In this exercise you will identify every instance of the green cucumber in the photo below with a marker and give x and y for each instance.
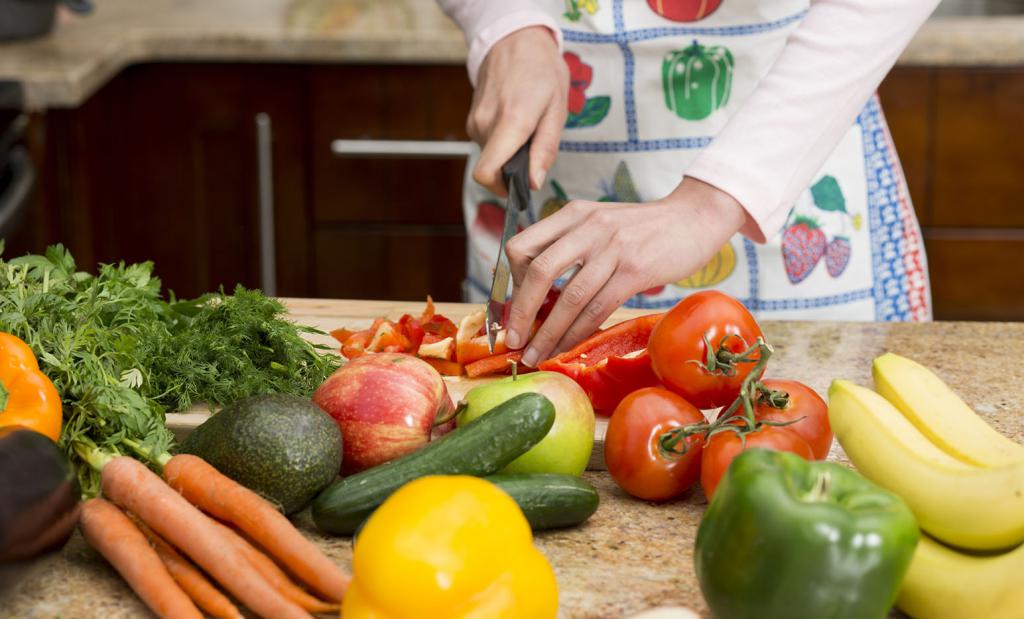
(549, 500)
(482, 447)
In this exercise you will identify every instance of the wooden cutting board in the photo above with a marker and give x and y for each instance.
(328, 314)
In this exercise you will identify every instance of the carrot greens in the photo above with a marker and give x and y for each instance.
(122, 355)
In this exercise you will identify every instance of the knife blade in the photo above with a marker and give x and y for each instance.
(516, 173)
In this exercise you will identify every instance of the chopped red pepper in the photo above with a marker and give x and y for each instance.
(496, 364)
(404, 335)
(610, 364)
(425, 336)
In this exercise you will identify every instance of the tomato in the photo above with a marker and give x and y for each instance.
(679, 354)
(721, 448)
(803, 403)
(632, 445)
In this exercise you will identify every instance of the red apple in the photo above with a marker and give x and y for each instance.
(386, 405)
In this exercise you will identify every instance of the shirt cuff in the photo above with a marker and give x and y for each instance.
(763, 220)
(501, 28)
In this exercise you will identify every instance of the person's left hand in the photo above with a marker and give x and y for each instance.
(621, 249)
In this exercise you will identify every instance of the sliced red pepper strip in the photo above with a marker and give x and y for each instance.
(610, 364)
(428, 311)
(355, 344)
(444, 366)
(342, 334)
(496, 364)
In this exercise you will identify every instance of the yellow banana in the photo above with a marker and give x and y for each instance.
(945, 584)
(960, 504)
(940, 414)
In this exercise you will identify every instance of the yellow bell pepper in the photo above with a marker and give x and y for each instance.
(449, 546)
(27, 397)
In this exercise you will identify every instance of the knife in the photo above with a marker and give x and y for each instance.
(517, 179)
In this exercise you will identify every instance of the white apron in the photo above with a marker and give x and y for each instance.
(651, 83)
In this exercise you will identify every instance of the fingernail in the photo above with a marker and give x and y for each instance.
(538, 178)
(512, 339)
(530, 357)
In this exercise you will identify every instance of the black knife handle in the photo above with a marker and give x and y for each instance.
(516, 173)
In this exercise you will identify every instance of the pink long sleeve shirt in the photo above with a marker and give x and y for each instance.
(772, 146)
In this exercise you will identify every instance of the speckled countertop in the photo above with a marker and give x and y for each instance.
(63, 69)
(631, 555)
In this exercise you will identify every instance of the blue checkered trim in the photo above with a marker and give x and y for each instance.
(621, 35)
(891, 289)
(634, 146)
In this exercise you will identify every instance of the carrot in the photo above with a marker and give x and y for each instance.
(135, 488)
(276, 576)
(191, 580)
(108, 530)
(227, 500)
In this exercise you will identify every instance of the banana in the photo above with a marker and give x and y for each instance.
(940, 414)
(961, 505)
(945, 584)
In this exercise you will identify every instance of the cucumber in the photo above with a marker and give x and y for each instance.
(549, 500)
(481, 447)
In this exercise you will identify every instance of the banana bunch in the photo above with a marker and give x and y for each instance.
(963, 480)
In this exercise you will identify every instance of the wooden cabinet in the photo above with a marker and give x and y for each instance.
(388, 226)
(161, 164)
(960, 137)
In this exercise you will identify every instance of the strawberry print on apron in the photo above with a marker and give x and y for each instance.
(651, 83)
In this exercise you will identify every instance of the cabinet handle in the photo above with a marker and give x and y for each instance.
(426, 149)
(265, 161)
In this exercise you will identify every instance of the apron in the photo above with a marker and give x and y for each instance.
(651, 83)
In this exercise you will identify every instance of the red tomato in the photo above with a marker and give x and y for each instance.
(723, 447)
(678, 352)
(631, 446)
(803, 402)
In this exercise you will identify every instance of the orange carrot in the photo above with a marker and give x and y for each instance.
(135, 488)
(232, 502)
(276, 576)
(117, 538)
(191, 580)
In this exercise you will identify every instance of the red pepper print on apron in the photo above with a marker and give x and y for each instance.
(651, 83)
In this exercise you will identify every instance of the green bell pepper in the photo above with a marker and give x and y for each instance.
(787, 538)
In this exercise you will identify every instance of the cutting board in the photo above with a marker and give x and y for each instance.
(328, 314)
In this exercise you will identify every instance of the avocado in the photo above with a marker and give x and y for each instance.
(283, 447)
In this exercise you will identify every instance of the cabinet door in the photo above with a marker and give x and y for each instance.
(161, 165)
(388, 226)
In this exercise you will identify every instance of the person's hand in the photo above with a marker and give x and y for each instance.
(522, 88)
(621, 249)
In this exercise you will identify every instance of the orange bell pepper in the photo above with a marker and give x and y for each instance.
(27, 397)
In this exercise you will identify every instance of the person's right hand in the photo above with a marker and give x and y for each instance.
(522, 88)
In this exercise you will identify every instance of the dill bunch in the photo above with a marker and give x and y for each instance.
(121, 356)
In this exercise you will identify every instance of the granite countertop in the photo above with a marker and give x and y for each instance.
(632, 554)
(65, 68)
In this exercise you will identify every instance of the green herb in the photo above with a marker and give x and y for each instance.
(121, 356)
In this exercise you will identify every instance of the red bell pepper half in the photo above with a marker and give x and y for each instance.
(610, 364)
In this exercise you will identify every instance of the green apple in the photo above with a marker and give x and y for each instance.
(566, 448)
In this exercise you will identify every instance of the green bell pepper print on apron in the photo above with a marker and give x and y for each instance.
(651, 84)
(697, 80)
